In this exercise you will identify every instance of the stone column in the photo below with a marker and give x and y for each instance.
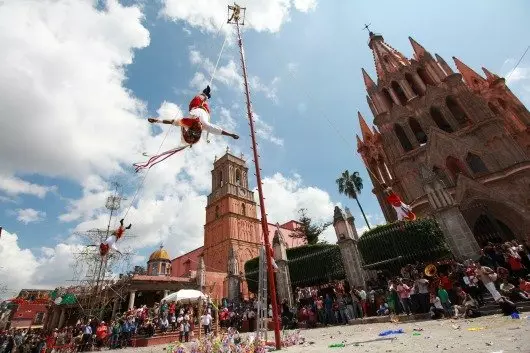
(417, 79)
(61, 318)
(283, 277)
(54, 318)
(132, 296)
(166, 292)
(351, 258)
(456, 231)
(234, 287)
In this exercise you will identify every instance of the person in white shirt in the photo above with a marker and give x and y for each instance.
(437, 309)
(206, 321)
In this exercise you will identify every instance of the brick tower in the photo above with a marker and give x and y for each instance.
(471, 132)
(232, 225)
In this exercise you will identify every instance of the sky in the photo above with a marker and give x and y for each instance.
(79, 78)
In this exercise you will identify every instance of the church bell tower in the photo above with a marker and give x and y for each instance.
(232, 229)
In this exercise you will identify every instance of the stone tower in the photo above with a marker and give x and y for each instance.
(233, 277)
(471, 132)
(347, 239)
(231, 217)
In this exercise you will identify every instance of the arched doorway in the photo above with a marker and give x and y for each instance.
(488, 223)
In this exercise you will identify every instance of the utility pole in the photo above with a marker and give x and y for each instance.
(236, 15)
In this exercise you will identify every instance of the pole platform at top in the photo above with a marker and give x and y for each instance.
(236, 16)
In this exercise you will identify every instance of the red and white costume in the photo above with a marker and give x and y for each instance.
(199, 110)
(403, 210)
(110, 242)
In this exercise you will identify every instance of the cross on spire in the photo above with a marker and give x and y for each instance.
(367, 27)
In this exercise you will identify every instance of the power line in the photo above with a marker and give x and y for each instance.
(516, 65)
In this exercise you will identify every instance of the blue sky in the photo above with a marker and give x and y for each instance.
(305, 71)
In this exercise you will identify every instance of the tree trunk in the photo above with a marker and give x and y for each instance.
(362, 211)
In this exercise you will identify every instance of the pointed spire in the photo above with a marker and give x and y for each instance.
(448, 70)
(359, 142)
(367, 133)
(470, 77)
(368, 82)
(419, 51)
(489, 75)
(386, 58)
(338, 216)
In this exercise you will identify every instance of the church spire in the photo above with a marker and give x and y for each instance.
(489, 75)
(367, 133)
(419, 51)
(368, 82)
(471, 78)
(386, 58)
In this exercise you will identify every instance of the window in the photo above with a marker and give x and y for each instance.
(163, 271)
(243, 209)
(439, 119)
(388, 98)
(413, 85)
(421, 137)
(456, 110)
(455, 167)
(399, 93)
(238, 177)
(503, 104)
(402, 137)
(220, 179)
(154, 271)
(476, 164)
(425, 76)
(216, 211)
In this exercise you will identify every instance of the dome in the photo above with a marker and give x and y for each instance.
(159, 255)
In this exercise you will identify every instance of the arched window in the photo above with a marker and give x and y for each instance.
(413, 85)
(402, 137)
(216, 211)
(425, 76)
(455, 167)
(238, 177)
(456, 110)
(421, 137)
(493, 108)
(476, 164)
(388, 98)
(439, 119)
(163, 270)
(220, 179)
(399, 93)
(243, 209)
(503, 104)
(442, 176)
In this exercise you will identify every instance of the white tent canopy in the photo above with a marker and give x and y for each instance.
(186, 296)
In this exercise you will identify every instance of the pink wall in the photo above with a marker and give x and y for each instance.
(181, 265)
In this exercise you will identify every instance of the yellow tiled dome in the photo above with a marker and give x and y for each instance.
(160, 255)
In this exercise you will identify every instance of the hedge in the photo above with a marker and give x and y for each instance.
(309, 265)
(420, 240)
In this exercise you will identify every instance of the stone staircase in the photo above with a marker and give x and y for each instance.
(492, 308)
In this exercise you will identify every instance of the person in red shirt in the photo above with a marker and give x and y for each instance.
(197, 121)
(403, 211)
(101, 334)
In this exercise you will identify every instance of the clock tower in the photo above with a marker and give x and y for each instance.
(232, 226)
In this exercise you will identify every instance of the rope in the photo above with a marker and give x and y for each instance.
(516, 65)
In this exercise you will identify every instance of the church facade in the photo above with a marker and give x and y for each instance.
(232, 230)
(470, 131)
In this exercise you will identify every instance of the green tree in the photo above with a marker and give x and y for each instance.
(351, 186)
(309, 230)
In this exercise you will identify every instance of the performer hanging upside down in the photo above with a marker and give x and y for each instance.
(110, 242)
(404, 211)
(198, 120)
(191, 128)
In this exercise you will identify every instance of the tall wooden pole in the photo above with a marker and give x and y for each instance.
(264, 224)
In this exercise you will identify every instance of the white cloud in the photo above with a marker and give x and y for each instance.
(519, 74)
(211, 15)
(29, 215)
(265, 131)
(15, 186)
(292, 68)
(285, 196)
(64, 106)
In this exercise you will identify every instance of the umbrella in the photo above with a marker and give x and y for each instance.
(186, 295)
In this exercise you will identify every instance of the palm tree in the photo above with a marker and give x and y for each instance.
(351, 186)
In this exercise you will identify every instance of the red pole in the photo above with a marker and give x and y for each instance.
(264, 223)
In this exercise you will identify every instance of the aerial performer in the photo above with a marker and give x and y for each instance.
(404, 211)
(110, 242)
(191, 127)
